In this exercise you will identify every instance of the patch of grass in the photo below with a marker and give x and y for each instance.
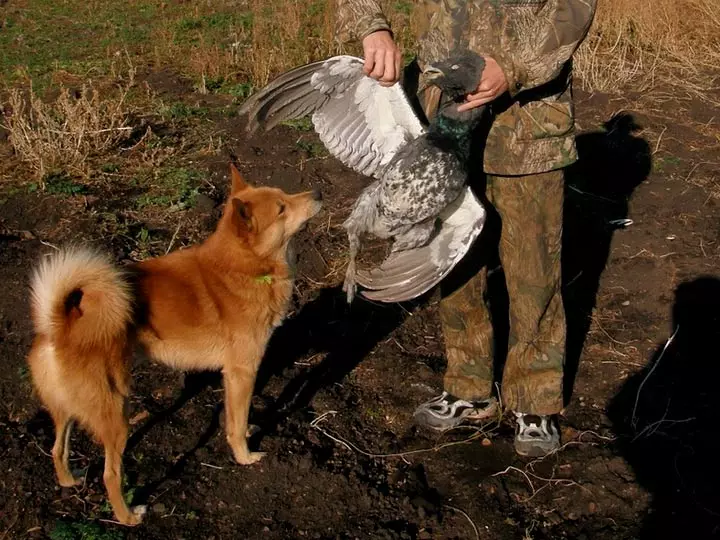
(40, 37)
(174, 187)
(238, 90)
(180, 110)
(109, 168)
(62, 184)
(662, 163)
(312, 148)
(404, 6)
(81, 530)
(300, 124)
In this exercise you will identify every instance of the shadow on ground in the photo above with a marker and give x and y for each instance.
(667, 419)
(345, 334)
(612, 163)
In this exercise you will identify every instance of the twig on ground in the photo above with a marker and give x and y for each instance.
(657, 144)
(574, 442)
(48, 244)
(477, 532)
(548, 481)
(174, 236)
(634, 420)
(350, 446)
(41, 449)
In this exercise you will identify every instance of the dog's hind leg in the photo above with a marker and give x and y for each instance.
(61, 449)
(114, 437)
(239, 383)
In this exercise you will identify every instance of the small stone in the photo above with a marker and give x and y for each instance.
(486, 442)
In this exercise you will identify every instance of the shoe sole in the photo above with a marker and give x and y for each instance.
(533, 450)
(422, 418)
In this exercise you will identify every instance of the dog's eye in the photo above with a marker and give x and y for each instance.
(281, 210)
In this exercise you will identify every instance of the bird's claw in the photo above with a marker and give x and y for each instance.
(350, 285)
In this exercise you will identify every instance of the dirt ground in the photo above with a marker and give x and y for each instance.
(338, 385)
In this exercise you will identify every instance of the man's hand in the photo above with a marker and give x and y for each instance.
(492, 84)
(383, 60)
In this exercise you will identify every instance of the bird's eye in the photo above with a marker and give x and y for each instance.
(454, 67)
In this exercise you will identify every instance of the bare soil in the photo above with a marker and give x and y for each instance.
(338, 385)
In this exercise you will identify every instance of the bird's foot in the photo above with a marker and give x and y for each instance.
(350, 284)
(417, 236)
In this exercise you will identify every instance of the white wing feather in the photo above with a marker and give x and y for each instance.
(405, 275)
(360, 122)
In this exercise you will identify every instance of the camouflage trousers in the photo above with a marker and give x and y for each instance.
(530, 210)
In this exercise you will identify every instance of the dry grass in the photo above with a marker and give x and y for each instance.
(248, 46)
(63, 134)
(261, 42)
(643, 43)
(232, 46)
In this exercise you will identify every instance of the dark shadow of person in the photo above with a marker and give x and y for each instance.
(667, 416)
(327, 324)
(612, 163)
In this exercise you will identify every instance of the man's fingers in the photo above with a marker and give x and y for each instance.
(369, 62)
(398, 64)
(474, 104)
(482, 94)
(379, 69)
(389, 76)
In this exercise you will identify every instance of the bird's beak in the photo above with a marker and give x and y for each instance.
(432, 73)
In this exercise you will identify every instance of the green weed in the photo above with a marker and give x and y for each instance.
(80, 530)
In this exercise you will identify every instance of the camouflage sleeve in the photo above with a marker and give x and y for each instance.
(356, 19)
(543, 44)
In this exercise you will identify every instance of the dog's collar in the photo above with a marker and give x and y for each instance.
(264, 278)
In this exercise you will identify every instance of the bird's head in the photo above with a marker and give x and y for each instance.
(458, 75)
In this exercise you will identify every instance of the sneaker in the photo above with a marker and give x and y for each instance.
(446, 411)
(536, 435)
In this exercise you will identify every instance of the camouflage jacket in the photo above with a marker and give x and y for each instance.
(533, 42)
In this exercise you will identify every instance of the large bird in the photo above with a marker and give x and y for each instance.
(420, 197)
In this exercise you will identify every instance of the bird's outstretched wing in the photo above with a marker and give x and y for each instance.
(405, 275)
(360, 122)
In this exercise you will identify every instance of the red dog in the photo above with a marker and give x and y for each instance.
(212, 306)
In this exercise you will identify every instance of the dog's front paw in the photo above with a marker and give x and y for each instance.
(131, 516)
(136, 515)
(70, 480)
(249, 458)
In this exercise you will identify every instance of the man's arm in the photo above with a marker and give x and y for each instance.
(541, 51)
(364, 20)
(357, 19)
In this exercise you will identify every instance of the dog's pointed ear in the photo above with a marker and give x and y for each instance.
(242, 215)
(238, 182)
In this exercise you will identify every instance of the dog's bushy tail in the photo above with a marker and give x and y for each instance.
(80, 298)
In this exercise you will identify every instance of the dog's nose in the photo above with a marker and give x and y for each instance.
(317, 195)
